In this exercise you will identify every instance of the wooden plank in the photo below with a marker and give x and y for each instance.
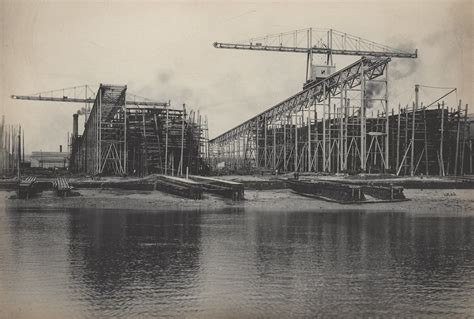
(26, 187)
(179, 186)
(62, 187)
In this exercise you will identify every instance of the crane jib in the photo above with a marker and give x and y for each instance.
(315, 50)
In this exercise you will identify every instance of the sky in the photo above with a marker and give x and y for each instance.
(163, 51)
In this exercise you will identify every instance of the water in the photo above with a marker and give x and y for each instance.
(234, 263)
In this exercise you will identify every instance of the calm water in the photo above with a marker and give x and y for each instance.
(103, 263)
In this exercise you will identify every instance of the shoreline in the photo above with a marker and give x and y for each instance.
(421, 201)
(266, 181)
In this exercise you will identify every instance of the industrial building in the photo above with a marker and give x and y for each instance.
(49, 159)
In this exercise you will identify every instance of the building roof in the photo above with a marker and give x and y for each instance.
(49, 156)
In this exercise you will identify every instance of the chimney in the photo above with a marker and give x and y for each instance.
(75, 121)
(60, 148)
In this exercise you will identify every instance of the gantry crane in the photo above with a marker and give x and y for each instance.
(312, 41)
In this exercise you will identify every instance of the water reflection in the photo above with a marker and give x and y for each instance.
(239, 263)
(134, 259)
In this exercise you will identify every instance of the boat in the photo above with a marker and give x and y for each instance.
(346, 193)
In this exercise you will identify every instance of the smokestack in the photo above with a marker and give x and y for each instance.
(60, 148)
(75, 125)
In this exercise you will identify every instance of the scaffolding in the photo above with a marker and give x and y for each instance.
(431, 141)
(322, 128)
(12, 152)
(123, 140)
(350, 130)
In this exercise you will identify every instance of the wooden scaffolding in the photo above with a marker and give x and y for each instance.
(123, 140)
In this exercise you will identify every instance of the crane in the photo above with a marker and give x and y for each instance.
(317, 41)
(84, 94)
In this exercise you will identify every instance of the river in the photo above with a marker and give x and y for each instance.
(234, 263)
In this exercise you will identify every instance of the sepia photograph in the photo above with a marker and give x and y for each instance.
(236, 159)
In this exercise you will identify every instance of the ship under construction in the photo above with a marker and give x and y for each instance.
(126, 136)
(342, 121)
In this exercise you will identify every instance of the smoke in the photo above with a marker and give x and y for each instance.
(372, 91)
(164, 77)
(403, 68)
(444, 56)
(82, 111)
(171, 86)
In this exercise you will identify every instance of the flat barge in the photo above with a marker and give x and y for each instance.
(345, 193)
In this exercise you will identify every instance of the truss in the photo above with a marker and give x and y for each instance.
(348, 77)
(322, 128)
(318, 41)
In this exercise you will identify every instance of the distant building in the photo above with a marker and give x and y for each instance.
(49, 159)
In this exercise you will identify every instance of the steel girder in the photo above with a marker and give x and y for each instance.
(349, 77)
(274, 48)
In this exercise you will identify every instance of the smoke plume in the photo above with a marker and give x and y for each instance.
(372, 91)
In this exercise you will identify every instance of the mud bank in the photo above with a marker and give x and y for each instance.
(421, 201)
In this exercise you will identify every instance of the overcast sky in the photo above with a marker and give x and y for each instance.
(164, 51)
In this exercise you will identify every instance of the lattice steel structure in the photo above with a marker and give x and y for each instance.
(325, 127)
(317, 41)
(130, 140)
(104, 143)
(130, 135)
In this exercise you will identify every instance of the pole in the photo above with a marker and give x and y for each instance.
(309, 143)
(363, 148)
(274, 146)
(398, 137)
(265, 142)
(415, 107)
(347, 104)
(180, 168)
(23, 144)
(387, 127)
(284, 143)
(441, 142)
(19, 154)
(464, 139)
(470, 155)
(324, 135)
(125, 147)
(296, 143)
(99, 135)
(457, 140)
(145, 162)
(316, 140)
(166, 141)
(426, 142)
(256, 145)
